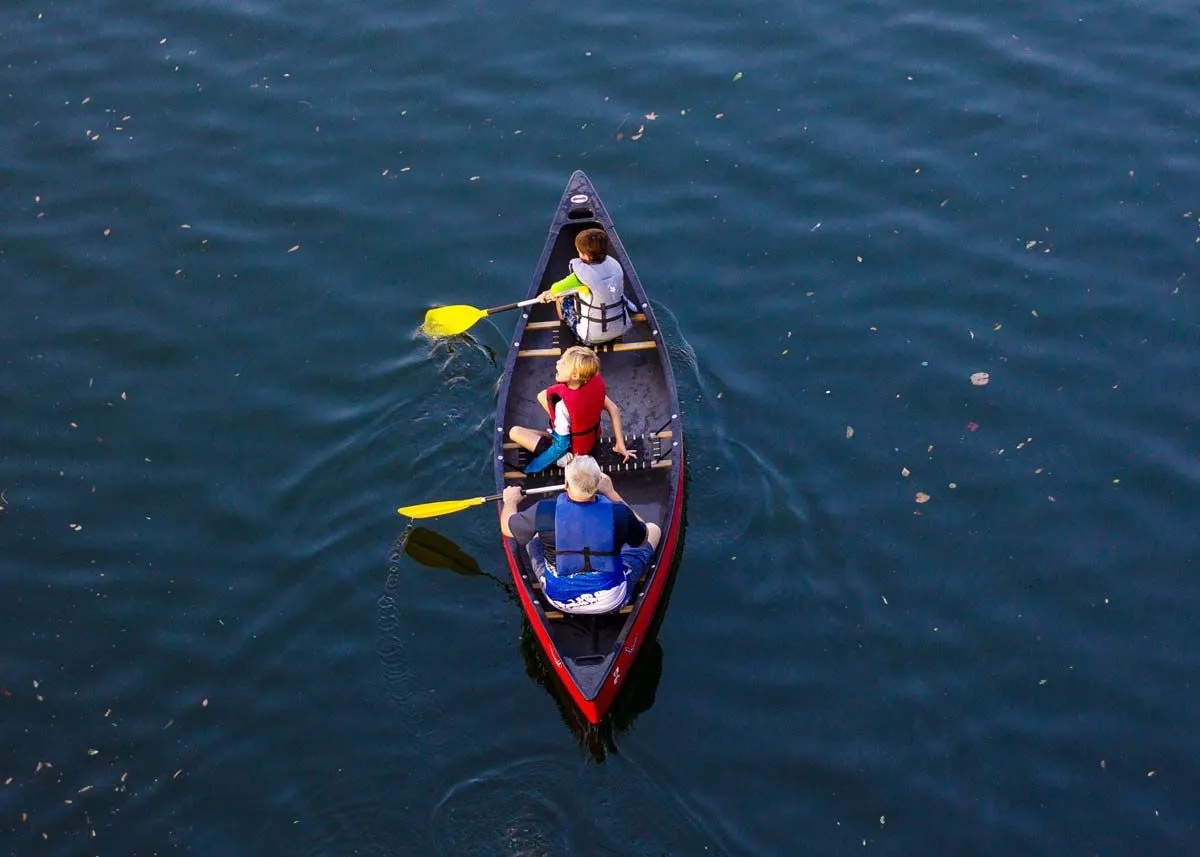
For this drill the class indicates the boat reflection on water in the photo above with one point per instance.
(598, 740)
(636, 697)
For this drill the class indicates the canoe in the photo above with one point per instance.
(592, 655)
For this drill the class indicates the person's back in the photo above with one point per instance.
(593, 294)
(601, 313)
(588, 548)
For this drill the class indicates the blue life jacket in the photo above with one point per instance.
(586, 556)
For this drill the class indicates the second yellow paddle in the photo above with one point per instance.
(449, 507)
(456, 319)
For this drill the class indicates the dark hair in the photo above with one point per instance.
(592, 243)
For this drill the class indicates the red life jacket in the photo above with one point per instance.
(583, 407)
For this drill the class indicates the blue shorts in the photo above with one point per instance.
(549, 450)
(635, 562)
(570, 311)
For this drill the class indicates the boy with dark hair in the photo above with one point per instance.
(592, 296)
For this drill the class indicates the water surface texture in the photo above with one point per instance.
(916, 614)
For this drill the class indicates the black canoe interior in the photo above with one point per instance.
(635, 375)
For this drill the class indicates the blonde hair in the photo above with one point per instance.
(583, 475)
(581, 363)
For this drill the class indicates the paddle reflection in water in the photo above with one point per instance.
(434, 550)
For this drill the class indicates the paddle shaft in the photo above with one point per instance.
(506, 307)
(546, 490)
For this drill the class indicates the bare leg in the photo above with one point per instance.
(653, 534)
(526, 438)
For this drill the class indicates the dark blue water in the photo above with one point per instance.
(221, 226)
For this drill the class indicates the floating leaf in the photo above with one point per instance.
(980, 378)
(737, 76)
(904, 471)
(849, 432)
(922, 497)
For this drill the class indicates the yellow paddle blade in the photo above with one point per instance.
(442, 507)
(451, 320)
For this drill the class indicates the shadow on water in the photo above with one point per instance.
(433, 550)
(598, 740)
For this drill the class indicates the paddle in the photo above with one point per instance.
(456, 319)
(449, 507)
(434, 550)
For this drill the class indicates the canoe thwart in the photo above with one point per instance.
(606, 348)
(653, 453)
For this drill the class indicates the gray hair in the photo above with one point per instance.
(583, 475)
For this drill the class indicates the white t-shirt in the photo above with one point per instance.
(562, 420)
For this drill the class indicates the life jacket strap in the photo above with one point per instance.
(587, 554)
(618, 313)
(595, 429)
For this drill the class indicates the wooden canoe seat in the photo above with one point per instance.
(607, 348)
(561, 339)
(653, 453)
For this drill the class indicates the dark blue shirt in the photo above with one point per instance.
(628, 530)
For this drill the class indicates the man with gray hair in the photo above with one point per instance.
(588, 547)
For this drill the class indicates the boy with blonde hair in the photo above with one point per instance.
(574, 404)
